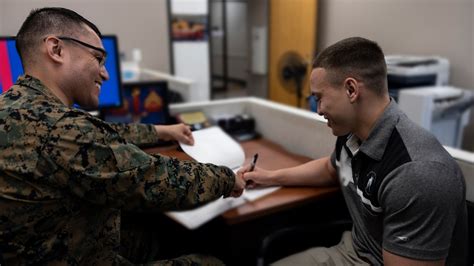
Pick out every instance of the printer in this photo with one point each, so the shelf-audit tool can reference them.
(408, 71)
(443, 110)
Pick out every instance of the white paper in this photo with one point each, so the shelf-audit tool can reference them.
(253, 194)
(212, 145)
(192, 219)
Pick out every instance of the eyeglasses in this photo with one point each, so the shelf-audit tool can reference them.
(101, 59)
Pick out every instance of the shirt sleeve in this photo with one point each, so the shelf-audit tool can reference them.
(91, 160)
(138, 134)
(422, 202)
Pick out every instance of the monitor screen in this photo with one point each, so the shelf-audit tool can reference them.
(110, 94)
(143, 102)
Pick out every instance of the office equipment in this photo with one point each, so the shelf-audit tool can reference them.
(292, 73)
(442, 110)
(10, 63)
(241, 127)
(143, 102)
(404, 71)
(110, 95)
(292, 27)
(196, 120)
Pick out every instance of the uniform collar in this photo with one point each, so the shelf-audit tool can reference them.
(374, 146)
(37, 85)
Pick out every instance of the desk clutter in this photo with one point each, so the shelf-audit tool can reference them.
(240, 127)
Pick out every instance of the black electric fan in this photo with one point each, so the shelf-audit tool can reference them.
(292, 69)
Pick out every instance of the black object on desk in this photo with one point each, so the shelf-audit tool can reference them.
(240, 127)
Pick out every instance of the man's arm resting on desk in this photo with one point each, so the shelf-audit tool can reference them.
(318, 172)
(88, 158)
(146, 134)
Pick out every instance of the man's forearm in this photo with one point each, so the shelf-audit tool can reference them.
(318, 172)
(138, 134)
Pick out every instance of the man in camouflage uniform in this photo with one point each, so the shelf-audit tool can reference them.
(65, 176)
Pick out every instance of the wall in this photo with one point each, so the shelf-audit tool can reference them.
(139, 24)
(422, 27)
(2, 14)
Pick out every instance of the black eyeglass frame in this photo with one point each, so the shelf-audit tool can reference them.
(104, 53)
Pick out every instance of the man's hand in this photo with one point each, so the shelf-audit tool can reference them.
(178, 132)
(257, 178)
(238, 187)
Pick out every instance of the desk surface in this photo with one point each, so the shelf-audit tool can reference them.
(271, 156)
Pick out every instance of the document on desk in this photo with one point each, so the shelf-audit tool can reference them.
(213, 145)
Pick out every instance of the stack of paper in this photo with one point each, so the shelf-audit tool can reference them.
(212, 145)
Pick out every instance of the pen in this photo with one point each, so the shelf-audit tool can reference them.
(254, 162)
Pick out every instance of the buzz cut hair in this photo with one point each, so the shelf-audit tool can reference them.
(48, 21)
(355, 57)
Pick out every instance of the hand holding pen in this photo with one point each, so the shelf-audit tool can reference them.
(256, 177)
(245, 172)
(254, 162)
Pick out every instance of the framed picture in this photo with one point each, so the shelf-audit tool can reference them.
(143, 102)
(189, 28)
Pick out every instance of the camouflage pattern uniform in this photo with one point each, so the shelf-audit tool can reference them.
(65, 176)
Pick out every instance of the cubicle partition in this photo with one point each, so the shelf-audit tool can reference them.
(298, 131)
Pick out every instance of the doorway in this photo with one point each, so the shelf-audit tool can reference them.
(229, 48)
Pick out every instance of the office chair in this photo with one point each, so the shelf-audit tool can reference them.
(290, 240)
(470, 222)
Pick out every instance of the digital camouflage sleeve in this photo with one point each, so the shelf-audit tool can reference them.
(65, 176)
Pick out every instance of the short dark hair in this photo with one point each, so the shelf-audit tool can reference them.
(48, 20)
(357, 57)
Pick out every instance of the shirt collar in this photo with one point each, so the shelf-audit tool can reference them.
(374, 146)
(37, 85)
(353, 144)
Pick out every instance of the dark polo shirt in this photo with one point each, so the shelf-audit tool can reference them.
(405, 193)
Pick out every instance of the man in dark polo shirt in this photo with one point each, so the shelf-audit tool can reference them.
(405, 193)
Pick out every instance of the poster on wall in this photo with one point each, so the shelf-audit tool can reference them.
(189, 28)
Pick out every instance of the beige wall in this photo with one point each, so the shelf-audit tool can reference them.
(422, 27)
(137, 23)
(2, 11)
(425, 27)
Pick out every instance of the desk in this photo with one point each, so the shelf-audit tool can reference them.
(271, 156)
(235, 235)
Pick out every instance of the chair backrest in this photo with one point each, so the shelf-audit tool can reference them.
(470, 215)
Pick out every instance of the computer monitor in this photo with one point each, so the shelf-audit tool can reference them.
(111, 91)
(143, 102)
